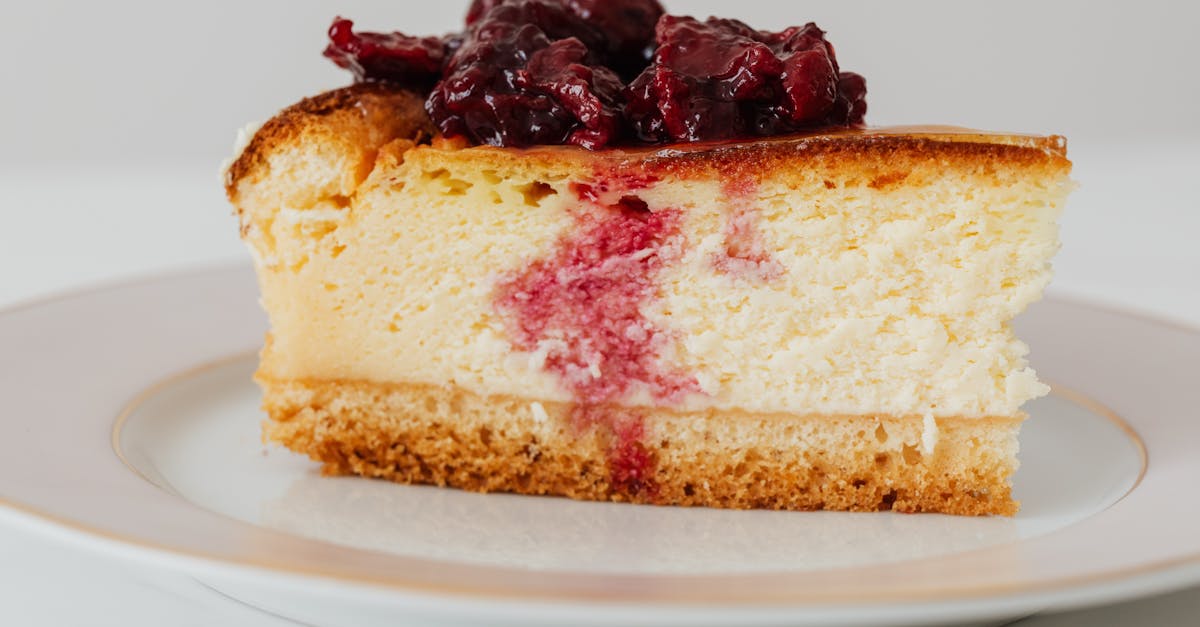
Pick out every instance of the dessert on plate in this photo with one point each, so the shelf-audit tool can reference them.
(588, 249)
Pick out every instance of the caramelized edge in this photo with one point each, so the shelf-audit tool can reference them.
(756, 158)
(364, 100)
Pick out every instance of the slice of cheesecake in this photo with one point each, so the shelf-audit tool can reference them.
(801, 322)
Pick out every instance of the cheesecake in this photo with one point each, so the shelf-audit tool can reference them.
(815, 318)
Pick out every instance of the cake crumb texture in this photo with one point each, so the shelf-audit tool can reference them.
(835, 309)
(413, 433)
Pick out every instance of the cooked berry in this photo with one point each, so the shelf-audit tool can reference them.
(626, 29)
(528, 72)
(720, 78)
(523, 76)
(410, 61)
(479, 8)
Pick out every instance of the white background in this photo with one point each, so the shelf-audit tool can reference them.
(115, 115)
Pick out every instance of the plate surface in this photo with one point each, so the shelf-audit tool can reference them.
(182, 480)
(1076, 463)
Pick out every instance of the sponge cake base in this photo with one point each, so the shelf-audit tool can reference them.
(417, 433)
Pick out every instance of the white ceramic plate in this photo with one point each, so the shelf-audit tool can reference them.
(131, 426)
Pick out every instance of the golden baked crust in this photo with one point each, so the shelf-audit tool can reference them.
(368, 115)
(373, 114)
(413, 433)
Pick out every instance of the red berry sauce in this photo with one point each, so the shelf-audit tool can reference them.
(631, 461)
(529, 73)
(582, 307)
(721, 79)
(745, 256)
(613, 186)
(584, 304)
(597, 73)
(396, 57)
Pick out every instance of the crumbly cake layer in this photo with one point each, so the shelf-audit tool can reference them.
(416, 433)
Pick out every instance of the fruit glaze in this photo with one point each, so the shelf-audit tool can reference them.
(597, 73)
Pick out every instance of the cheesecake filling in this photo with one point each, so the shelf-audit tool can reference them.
(744, 254)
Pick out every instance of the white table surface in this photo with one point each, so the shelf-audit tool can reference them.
(1131, 237)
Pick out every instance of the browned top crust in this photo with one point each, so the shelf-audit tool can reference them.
(394, 113)
(897, 145)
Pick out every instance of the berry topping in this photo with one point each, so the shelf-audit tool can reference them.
(720, 78)
(523, 76)
(528, 72)
(625, 28)
(415, 61)
(628, 27)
